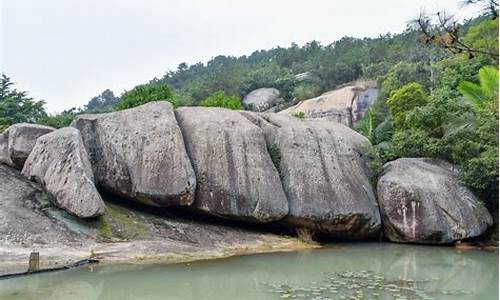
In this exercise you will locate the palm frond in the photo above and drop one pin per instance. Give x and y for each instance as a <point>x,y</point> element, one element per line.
<point>488,79</point>
<point>473,94</point>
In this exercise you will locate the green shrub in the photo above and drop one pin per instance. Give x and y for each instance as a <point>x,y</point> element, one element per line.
<point>220,99</point>
<point>299,114</point>
<point>145,93</point>
<point>404,100</point>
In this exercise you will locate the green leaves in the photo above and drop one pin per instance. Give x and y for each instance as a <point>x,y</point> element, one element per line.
<point>479,95</point>
<point>403,101</point>
<point>16,106</point>
<point>220,99</point>
<point>145,93</point>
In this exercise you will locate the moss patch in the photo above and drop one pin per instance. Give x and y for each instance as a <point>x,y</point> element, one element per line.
<point>120,223</point>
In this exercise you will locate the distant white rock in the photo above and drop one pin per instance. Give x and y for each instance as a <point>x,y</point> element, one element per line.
<point>346,104</point>
<point>261,99</point>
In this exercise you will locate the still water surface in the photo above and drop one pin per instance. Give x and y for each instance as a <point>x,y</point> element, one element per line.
<point>347,271</point>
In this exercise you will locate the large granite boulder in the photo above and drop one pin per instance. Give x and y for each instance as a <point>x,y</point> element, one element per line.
<point>261,99</point>
<point>323,174</point>
<point>236,177</point>
<point>422,201</point>
<point>17,141</point>
<point>139,154</point>
<point>60,164</point>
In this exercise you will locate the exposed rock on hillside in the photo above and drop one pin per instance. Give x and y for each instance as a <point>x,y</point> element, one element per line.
<point>422,201</point>
<point>236,177</point>
<point>345,105</point>
<point>323,175</point>
<point>59,163</point>
<point>139,153</point>
<point>261,99</point>
<point>17,141</point>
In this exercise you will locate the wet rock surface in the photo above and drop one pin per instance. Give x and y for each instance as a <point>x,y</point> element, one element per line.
<point>423,201</point>
<point>60,164</point>
<point>324,177</point>
<point>235,174</point>
<point>17,141</point>
<point>139,154</point>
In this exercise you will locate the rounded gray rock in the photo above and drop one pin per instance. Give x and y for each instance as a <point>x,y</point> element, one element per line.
<point>17,141</point>
<point>261,99</point>
<point>423,201</point>
<point>236,176</point>
<point>139,154</point>
<point>324,176</point>
<point>60,164</point>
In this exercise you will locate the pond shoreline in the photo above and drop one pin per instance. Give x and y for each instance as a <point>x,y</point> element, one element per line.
<point>348,269</point>
<point>15,257</point>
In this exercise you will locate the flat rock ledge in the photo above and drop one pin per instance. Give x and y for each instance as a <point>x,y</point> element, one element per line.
<point>423,201</point>
<point>17,141</point>
<point>30,222</point>
<point>60,164</point>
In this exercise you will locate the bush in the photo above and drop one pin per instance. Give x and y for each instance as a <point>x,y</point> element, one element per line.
<point>220,99</point>
<point>145,93</point>
<point>404,100</point>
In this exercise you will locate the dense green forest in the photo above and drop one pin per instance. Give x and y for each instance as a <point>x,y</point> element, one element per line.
<point>438,96</point>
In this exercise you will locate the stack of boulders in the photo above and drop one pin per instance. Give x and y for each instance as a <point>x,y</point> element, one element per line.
<point>252,167</point>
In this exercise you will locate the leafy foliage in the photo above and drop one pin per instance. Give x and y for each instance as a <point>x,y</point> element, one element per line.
<point>299,114</point>
<point>16,106</point>
<point>447,108</point>
<point>275,153</point>
<point>220,99</point>
<point>103,102</point>
<point>145,93</point>
<point>482,94</point>
<point>60,120</point>
<point>404,100</point>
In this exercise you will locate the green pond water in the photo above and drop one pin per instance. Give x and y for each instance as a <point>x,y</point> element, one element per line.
<point>346,271</point>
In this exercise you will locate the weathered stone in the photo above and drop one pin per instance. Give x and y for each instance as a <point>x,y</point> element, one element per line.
<point>261,99</point>
<point>422,201</point>
<point>22,219</point>
<point>59,163</point>
<point>139,154</point>
<point>236,177</point>
<point>323,174</point>
<point>17,142</point>
<point>346,104</point>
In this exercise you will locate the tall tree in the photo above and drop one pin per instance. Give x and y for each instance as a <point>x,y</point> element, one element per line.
<point>16,106</point>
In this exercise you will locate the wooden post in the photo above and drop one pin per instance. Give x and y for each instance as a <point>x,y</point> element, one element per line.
<point>34,263</point>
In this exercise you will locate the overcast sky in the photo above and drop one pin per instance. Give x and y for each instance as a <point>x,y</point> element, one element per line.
<point>67,51</point>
